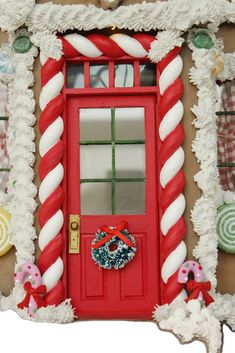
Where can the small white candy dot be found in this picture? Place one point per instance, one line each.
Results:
(198, 274)
(30, 304)
(186, 278)
(30, 277)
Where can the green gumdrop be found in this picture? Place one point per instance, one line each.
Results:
(22, 44)
(202, 40)
(186, 265)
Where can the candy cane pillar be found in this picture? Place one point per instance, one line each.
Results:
(51, 173)
(172, 180)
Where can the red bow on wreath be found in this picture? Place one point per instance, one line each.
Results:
(36, 294)
(111, 233)
(196, 288)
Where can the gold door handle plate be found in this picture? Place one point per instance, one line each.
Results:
(74, 234)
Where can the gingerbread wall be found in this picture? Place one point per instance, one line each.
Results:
(226, 262)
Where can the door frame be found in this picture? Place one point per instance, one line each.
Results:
(51, 69)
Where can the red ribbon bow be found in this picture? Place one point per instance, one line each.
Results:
(113, 232)
(196, 288)
(36, 294)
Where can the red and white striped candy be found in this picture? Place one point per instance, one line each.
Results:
(51, 147)
(172, 180)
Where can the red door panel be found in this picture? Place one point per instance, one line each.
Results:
(131, 292)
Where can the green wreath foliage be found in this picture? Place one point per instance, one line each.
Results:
(114, 253)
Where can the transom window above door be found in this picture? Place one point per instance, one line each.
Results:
(112, 160)
(110, 74)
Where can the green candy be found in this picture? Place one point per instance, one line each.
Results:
(203, 40)
(225, 227)
(22, 44)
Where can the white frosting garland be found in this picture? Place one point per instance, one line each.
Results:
(166, 41)
(21, 149)
(48, 43)
(21, 190)
(13, 13)
(189, 321)
(163, 15)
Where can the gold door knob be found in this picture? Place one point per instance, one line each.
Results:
(74, 225)
(74, 234)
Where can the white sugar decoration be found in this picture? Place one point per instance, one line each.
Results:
(164, 43)
(13, 13)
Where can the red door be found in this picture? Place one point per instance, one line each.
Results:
(112, 176)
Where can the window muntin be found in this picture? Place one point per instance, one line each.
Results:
(113, 162)
(110, 74)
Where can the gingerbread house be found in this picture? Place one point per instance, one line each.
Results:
(117, 164)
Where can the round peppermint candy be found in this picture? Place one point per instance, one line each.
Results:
(226, 228)
(5, 244)
(22, 44)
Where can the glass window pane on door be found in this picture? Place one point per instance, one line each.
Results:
(95, 124)
(147, 74)
(96, 198)
(75, 75)
(95, 162)
(130, 161)
(129, 123)
(112, 162)
(130, 198)
(124, 75)
(99, 76)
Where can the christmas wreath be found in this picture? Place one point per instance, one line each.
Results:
(113, 247)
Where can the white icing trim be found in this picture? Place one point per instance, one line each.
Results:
(166, 41)
(14, 13)
(189, 321)
(166, 15)
(21, 190)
